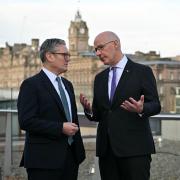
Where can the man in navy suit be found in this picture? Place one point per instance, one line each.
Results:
(125, 95)
(48, 153)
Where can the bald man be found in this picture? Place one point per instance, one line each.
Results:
(125, 95)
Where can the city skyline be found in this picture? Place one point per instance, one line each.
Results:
(142, 25)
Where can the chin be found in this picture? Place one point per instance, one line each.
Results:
(65, 70)
(105, 63)
(62, 71)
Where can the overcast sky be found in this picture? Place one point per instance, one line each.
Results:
(141, 24)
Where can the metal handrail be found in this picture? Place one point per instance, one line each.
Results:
(163, 116)
(167, 116)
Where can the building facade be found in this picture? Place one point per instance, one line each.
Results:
(20, 61)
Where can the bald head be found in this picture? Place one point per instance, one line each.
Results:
(107, 36)
(108, 48)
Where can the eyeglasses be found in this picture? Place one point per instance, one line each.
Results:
(102, 46)
(66, 55)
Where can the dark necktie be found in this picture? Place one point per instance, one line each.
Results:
(65, 105)
(113, 83)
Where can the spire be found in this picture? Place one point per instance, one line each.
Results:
(78, 16)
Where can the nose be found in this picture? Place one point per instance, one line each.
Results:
(98, 52)
(67, 58)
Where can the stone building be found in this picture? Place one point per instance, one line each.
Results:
(17, 63)
(167, 74)
(20, 61)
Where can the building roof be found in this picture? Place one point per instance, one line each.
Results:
(159, 62)
(87, 53)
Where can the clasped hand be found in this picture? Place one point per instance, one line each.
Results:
(70, 129)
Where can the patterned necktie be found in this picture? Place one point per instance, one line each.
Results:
(65, 105)
(113, 83)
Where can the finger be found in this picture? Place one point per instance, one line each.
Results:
(142, 98)
(136, 105)
(129, 106)
(133, 101)
(124, 107)
(88, 105)
(74, 125)
(85, 100)
(75, 129)
(81, 98)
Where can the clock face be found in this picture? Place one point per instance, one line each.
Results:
(82, 30)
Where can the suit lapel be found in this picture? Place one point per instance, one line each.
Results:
(48, 85)
(121, 87)
(105, 87)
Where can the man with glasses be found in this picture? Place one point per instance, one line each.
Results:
(47, 112)
(125, 95)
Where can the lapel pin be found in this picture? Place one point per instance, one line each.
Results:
(127, 71)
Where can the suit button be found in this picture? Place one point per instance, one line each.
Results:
(110, 111)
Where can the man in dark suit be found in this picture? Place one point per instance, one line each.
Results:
(125, 95)
(47, 112)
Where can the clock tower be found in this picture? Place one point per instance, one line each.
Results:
(78, 35)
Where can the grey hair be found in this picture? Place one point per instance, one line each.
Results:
(49, 45)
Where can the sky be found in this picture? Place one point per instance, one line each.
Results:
(142, 25)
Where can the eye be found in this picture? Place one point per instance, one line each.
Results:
(99, 48)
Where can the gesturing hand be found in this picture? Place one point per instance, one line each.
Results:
(85, 103)
(132, 105)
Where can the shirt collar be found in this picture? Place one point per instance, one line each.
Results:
(122, 63)
(50, 75)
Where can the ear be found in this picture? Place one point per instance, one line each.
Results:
(49, 56)
(116, 43)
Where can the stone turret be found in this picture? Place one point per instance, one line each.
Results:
(78, 35)
(35, 44)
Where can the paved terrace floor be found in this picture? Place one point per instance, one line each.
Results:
(165, 163)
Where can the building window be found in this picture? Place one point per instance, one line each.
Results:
(161, 90)
(178, 104)
(162, 104)
(178, 100)
(177, 90)
(171, 76)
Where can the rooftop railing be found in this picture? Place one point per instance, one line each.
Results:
(9, 130)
